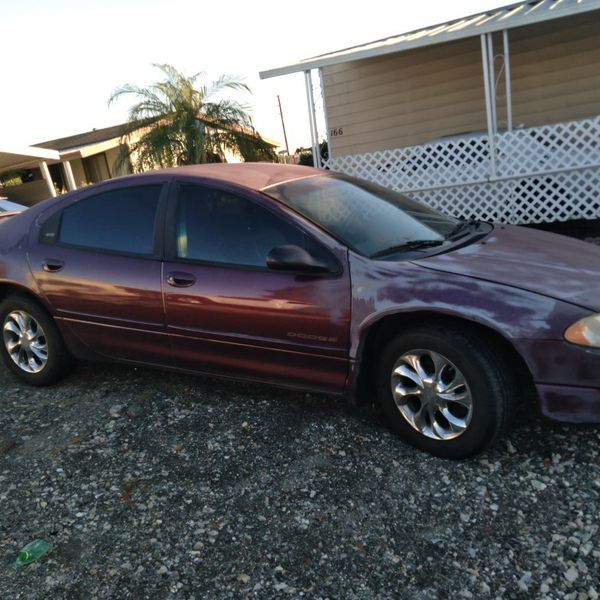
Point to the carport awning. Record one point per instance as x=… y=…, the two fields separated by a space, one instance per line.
x=26 y=156
x=29 y=157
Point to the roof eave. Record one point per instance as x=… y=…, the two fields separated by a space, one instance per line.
x=90 y=149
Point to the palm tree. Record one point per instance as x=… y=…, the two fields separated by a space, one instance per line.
x=183 y=120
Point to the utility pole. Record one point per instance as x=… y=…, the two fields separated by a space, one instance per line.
x=287 y=148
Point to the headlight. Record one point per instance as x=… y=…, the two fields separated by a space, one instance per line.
x=586 y=332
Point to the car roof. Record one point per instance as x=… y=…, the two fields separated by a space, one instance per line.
x=255 y=176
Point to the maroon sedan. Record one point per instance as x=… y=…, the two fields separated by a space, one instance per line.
x=310 y=280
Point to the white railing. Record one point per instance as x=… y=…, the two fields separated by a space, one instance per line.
x=534 y=175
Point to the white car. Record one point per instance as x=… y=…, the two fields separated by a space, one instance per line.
x=8 y=206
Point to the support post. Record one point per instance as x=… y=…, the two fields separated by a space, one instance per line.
x=492 y=76
x=507 y=84
x=287 y=147
x=47 y=178
x=488 y=103
x=321 y=79
x=313 y=122
x=69 y=176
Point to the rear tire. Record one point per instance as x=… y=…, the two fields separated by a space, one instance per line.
x=453 y=392
x=30 y=343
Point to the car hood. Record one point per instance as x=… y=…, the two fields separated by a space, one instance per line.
x=549 y=264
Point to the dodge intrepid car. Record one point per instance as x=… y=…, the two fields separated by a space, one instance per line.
x=310 y=280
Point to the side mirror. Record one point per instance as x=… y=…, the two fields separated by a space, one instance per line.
x=293 y=258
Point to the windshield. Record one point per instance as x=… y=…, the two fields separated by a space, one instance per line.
x=366 y=217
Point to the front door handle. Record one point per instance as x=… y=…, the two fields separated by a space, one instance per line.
x=53 y=265
x=178 y=279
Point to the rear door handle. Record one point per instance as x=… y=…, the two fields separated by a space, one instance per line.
x=53 y=265
x=178 y=279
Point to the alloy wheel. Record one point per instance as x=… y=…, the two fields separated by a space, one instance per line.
x=432 y=394
x=25 y=341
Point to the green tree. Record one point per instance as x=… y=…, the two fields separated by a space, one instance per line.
x=185 y=120
x=306 y=157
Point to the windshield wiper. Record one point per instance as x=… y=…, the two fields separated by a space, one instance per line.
x=463 y=228
x=412 y=245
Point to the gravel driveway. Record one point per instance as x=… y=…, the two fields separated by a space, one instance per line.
x=211 y=489
x=198 y=488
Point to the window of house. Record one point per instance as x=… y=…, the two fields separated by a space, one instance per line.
x=219 y=227
x=118 y=220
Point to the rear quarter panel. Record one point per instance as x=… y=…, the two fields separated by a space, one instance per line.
x=14 y=265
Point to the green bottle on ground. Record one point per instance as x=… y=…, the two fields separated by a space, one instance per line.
x=32 y=552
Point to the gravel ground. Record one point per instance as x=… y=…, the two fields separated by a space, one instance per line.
x=154 y=485
x=199 y=488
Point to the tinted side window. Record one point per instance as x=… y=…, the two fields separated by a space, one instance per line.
x=216 y=226
x=120 y=221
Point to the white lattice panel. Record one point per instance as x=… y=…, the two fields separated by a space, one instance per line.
x=573 y=144
x=558 y=197
x=543 y=174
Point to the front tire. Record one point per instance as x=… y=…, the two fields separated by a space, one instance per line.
x=446 y=391
x=30 y=343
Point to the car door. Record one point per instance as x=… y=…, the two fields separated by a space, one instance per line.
x=97 y=260
x=227 y=313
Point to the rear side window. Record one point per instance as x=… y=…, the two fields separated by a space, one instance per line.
x=219 y=227
x=117 y=221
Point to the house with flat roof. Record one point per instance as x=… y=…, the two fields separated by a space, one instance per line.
x=66 y=164
x=92 y=156
x=494 y=115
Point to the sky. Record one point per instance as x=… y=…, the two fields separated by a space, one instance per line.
x=61 y=59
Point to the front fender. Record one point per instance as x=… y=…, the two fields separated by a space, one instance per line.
x=386 y=289
x=381 y=289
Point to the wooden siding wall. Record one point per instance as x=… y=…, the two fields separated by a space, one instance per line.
x=556 y=70
x=421 y=95
x=406 y=98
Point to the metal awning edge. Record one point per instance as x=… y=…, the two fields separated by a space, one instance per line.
x=25 y=155
x=498 y=24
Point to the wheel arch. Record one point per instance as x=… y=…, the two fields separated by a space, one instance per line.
x=59 y=358
x=379 y=332
x=11 y=288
